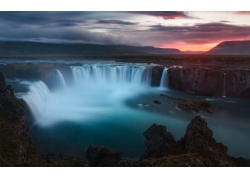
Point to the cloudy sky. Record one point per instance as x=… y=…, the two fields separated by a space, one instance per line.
x=197 y=31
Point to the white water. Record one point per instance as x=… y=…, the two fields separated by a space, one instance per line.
x=98 y=90
x=60 y=82
x=164 y=79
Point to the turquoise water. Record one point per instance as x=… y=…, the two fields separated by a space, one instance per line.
x=70 y=119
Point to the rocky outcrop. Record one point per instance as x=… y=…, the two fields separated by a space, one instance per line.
x=199 y=139
x=196 y=148
x=199 y=105
x=16 y=145
x=156 y=75
x=197 y=81
x=101 y=156
x=210 y=81
x=158 y=141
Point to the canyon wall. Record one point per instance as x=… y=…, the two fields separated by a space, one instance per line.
x=210 y=81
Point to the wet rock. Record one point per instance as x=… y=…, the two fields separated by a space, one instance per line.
x=157 y=102
x=6 y=89
x=198 y=81
x=210 y=81
x=199 y=139
x=156 y=75
x=102 y=157
x=197 y=106
x=158 y=142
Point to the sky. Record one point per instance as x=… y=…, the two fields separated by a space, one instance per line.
x=184 y=30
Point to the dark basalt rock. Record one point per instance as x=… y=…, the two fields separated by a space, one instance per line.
x=102 y=157
x=158 y=141
x=196 y=148
x=157 y=102
x=156 y=75
x=199 y=139
x=210 y=81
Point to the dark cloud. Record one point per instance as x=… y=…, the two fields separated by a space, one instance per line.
x=205 y=28
x=115 y=22
x=41 y=17
x=164 y=14
x=243 y=12
x=93 y=27
x=202 y=33
x=64 y=34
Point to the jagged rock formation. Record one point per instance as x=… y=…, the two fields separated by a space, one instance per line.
x=16 y=145
x=158 y=141
x=101 y=156
x=156 y=75
x=196 y=148
x=210 y=81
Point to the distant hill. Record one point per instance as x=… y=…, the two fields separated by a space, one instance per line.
x=231 y=48
x=9 y=48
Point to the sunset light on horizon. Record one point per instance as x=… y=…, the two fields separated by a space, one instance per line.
x=183 y=30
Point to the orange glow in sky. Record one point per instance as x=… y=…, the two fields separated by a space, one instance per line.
x=192 y=47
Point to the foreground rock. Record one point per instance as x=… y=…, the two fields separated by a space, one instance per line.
x=158 y=141
x=101 y=156
x=16 y=145
x=196 y=148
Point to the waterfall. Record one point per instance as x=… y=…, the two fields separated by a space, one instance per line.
x=224 y=85
x=60 y=82
x=112 y=74
x=96 y=90
x=37 y=97
x=164 y=79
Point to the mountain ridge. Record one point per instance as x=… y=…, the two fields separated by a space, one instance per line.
x=10 y=48
x=231 y=48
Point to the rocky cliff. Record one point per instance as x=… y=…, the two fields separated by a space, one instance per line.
x=210 y=81
x=16 y=145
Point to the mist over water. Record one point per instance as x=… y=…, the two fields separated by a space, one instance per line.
x=111 y=104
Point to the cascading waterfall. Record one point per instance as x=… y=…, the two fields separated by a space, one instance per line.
x=97 y=89
x=60 y=82
x=224 y=85
x=37 y=97
x=164 y=79
x=111 y=74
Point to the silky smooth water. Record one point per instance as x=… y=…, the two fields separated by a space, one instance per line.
x=111 y=104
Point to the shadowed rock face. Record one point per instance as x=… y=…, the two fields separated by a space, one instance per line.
x=198 y=81
x=199 y=137
x=16 y=145
x=196 y=148
x=210 y=82
x=101 y=156
x=156 y=75
x=158 y=141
